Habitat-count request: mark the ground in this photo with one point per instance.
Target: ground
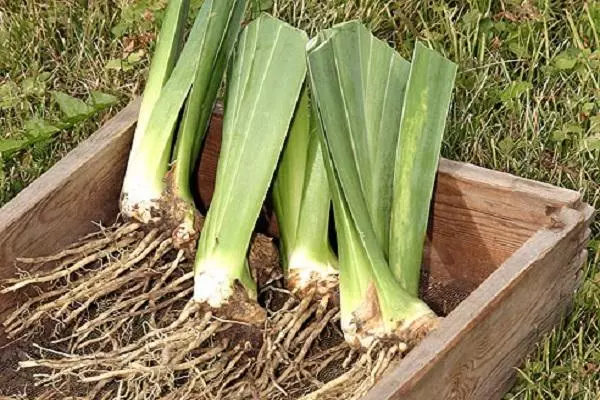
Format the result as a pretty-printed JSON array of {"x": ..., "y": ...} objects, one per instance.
[{"x": 527, "y": 101}]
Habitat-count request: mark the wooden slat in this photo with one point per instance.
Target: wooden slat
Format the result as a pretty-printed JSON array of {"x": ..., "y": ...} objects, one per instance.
[
  {"x": 473, "y": 352},
  {"x": 60, "y": 206},
  {"x": 493, "y": 214},
  {"x": 530, "y": 193},
  {"x": 207, "y": 169}
]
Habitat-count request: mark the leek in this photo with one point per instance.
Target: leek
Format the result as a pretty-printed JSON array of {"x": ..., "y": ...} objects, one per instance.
[
  {"x": 302, "y": 202},
  {"x": 168, "y": 47},
  {"x": 370, "y": 79},
  {"x": 264, "y": 85},
  {"x": 359, "y": 85},
  {"x": 218, "y": 44},
  {"x": 148, "y": 163}
]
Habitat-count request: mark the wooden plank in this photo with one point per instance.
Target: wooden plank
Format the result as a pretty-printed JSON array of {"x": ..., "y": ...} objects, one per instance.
[
  {"x": 473, "y": 352},
  {"x": 207, "y": 168},
  {"x": 540, "y": 193},
  {"x": 493, "y": 214},
  {"x": 59, "y": 207}
]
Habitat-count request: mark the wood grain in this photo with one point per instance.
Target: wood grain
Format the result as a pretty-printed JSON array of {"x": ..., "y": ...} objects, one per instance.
[
  {"x": 207, "y": 168},
  {"x": 60, "y": 206},
  {"x": 492, "y": 213},
  {"x": 473, "y": 352}
]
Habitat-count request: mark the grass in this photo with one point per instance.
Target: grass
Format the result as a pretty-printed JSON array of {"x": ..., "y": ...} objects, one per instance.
[{"x": 527, "y": 102}]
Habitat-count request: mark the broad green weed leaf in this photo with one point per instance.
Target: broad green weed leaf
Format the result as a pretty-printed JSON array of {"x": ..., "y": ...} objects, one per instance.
[
  {"x": 506, "y": 145},
  {"x": 571, "y": 128},
  {"x": 28, "y": 86},
  {"x": 471, "y": 18},
  {"x": 567, "y": 60},
  {"x": 10, "y": 145},
  {"x": 34, "y": 86},
  {"x": 595, "y": 124},
  {"x": 9, "y": 95},
  {"x": 101, "y": 100},
  {"x": 44, "y": 76},
  {"x": 559, "y": 136},
  {"x": 40, "y": 128},
  {"x": 591, "y": 143},
  {"x": 135, "y": 57},
  {"x": 587, "y": 108},
  {"x": 73, "y": 109},
  {"x": 114, "y": 64},
  {"x": 515, "y": 90}
]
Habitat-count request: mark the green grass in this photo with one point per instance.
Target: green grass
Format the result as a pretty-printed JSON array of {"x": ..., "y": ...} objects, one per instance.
[{"x": 527, "y": 102}]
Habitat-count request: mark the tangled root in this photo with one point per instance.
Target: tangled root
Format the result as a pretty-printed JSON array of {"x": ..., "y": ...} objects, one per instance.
[
  {"x": 192, "y": 351},
  {"x": 161, "y": 351},
  {"x": 99, "y": 285},
  {"x": 305, "y": 355},
  {"x": 189, "y": 355}
]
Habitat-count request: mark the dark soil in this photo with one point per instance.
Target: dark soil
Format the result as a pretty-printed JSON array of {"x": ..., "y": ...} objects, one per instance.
[{"x": 15, "y": 382}]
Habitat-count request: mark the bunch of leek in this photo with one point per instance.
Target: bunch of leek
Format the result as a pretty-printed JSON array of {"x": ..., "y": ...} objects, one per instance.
[
  {"x": 382, "y": 122},
  {"x": 180, "y": 77}
]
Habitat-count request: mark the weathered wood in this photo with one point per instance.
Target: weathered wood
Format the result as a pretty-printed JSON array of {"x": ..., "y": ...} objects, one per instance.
[
  {"x": 60, "y": 206},
  {"x": 493, "y": 214},
  {"x": 207, "y": 168},
  {"x": 473, "y": 352}
]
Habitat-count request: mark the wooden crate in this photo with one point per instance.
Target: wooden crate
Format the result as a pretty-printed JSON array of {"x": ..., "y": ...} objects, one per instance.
[{"x": 513, "y": 247}]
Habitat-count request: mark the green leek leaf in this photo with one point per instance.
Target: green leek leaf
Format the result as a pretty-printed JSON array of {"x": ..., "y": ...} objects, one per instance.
[
  {"x": 168, "y": 48},
  {"x": 365, "y": 93},
  {"x": 302, "y": 199},
  {"x": 151, "y": 151},
  {"x": 289, "y": 182},
  {"x": 423, "y": 121},
  {"x": 216, "y": 50}
]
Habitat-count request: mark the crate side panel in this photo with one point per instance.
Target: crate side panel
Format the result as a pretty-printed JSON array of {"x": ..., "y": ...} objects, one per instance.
[
  {"x": 475, "y": 350},
  {"x": 481, "y": 217}
]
